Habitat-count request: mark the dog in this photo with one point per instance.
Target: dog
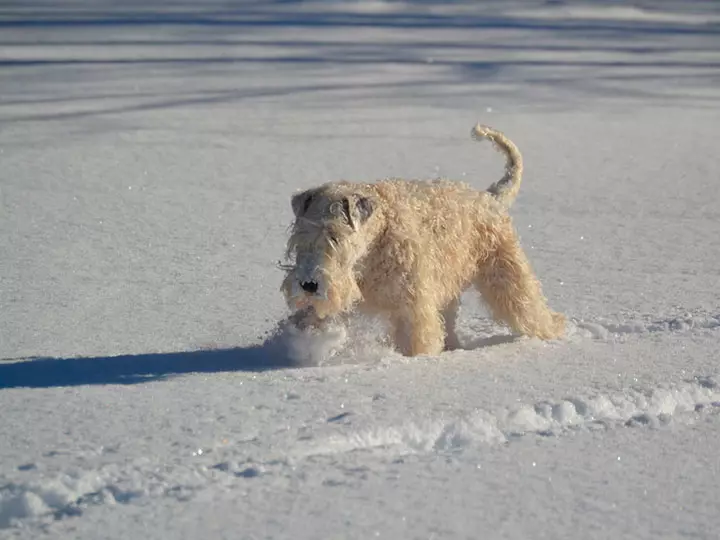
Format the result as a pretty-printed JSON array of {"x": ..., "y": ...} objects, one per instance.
[{"x": 408, "y": 249}]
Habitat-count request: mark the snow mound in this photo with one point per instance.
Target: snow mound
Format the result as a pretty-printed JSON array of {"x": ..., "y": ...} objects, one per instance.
[
  {"x": 365, "y": 340},
  {"x": 362, "y": 340},
  {"x": 69, "y": 494},
  {"x": 64, "y": 495}
]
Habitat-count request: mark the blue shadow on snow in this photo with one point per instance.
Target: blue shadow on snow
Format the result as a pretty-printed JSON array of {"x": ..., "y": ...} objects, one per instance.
[{"x": 133, "y": 369}]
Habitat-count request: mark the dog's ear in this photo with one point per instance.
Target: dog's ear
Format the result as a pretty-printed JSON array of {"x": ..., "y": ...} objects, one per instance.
[
  {"x": 358, "y": 210},
  {"x": 301, "y": 201}
]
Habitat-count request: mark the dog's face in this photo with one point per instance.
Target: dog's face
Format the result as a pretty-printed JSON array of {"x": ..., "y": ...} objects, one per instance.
[{"x": 329, "y": 236}]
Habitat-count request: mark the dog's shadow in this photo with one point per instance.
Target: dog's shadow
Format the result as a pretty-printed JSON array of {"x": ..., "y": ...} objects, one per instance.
[
  {"x": 488, "y": 341},
  {"x": 139, "y": 368},
  {"x": 132, "y": 369}
]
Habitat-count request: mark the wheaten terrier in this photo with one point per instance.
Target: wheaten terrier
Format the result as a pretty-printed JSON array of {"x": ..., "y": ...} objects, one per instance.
[{"x": 408, "y": 249}]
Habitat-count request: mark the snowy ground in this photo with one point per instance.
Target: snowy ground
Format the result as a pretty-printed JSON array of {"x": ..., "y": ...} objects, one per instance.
[{"x": 148, "y": 152}]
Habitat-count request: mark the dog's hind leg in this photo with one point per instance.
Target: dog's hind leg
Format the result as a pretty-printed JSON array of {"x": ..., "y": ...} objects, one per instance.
[
  {"x": 450, "y": 315},
  {"x": 514, "y": 294}
]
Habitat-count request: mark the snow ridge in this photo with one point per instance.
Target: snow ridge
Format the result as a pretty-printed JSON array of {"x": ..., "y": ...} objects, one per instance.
[
  {"x": 634, "y": 407},
  {"x": 602, "y": 330},
  {"x": 70, "y": 493}
]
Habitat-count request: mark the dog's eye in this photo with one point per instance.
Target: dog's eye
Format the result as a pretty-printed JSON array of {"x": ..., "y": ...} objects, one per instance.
[{"x": 336, "y": 209}]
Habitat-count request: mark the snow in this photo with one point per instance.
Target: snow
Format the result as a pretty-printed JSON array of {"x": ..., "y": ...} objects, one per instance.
[{"x": 149, "y": 152}]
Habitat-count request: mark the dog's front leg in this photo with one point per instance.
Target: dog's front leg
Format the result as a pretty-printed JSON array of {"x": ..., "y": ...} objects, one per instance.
[{"x": 422, "y": 326}]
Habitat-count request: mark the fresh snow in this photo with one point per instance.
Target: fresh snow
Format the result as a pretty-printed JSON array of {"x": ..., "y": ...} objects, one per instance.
[{"x": 149, "y": 151}]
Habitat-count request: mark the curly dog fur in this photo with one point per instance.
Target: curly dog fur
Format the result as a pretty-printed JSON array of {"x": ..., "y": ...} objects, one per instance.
[{"x": 408, "y": 249}]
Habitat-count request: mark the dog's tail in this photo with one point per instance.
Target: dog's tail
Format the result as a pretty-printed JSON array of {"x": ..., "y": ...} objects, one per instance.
[{"x": 506, "y": 189}]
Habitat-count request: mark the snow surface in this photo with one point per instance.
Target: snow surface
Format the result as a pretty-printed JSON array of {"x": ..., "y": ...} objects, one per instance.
[{"x": 149, "y": 151}]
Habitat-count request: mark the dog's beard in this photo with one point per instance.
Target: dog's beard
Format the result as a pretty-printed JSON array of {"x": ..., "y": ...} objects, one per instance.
[{"x": 326, "y": 259}]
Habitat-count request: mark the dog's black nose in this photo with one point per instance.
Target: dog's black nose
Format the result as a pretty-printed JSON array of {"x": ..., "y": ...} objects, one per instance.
[{"x": 309, "y": 286}]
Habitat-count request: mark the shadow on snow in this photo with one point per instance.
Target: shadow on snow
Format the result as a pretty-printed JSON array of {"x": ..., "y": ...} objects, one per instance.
[
  {"x": 239, "y": 28},
  {"x": 139, "y": 368},
  {"x": 132, "y": 369}
]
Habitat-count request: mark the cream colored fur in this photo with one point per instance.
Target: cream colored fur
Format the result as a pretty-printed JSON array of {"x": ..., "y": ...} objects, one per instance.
[{"x": 408, "y": 249}]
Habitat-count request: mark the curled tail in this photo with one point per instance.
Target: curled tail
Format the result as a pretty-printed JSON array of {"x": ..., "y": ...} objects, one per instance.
[{"x": 506, "y": 189}]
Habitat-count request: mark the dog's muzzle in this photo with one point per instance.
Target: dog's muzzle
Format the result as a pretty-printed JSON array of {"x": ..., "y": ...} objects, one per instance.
[{"x": 309, "y": 282}]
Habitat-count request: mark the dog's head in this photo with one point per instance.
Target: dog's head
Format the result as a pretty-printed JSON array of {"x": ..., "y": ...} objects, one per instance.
[{"x": 333, "y": 230}]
